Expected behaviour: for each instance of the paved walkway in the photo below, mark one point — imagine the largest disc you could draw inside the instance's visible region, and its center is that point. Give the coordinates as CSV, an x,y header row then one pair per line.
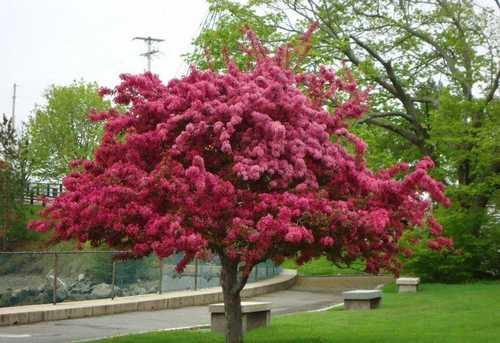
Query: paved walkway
x,y
71,330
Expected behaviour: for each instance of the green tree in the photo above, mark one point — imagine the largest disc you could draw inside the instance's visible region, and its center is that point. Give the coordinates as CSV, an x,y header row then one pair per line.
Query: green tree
x,y
434,69
60,131
14,173
398,47
8,202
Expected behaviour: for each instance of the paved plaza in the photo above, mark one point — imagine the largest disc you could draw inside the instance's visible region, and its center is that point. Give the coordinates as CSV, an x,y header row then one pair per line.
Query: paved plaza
x,y
71,330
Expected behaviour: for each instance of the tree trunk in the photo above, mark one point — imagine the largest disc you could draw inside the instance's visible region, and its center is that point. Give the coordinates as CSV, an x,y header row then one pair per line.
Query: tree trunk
x,y
4,242
232,301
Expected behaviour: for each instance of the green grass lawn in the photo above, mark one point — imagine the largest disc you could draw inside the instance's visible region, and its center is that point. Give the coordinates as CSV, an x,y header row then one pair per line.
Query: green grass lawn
x,y
438,314
322,266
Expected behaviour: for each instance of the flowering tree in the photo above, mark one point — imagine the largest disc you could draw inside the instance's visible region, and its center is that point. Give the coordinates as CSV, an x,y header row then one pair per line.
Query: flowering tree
x,y
247,165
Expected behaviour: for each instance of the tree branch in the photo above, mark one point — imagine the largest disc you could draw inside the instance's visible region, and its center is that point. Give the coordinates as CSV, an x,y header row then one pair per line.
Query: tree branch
x,y
242,281
408,135
385,115
493,88
387,66
393,85
451,62
328,28
466,52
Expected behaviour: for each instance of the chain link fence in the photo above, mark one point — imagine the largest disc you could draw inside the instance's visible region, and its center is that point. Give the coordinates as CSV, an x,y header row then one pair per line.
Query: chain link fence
x,y
28,278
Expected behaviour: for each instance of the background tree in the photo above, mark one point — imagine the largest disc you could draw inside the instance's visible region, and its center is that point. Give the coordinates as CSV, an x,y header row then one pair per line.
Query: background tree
x,y
59,130
14,172
248,165
434,68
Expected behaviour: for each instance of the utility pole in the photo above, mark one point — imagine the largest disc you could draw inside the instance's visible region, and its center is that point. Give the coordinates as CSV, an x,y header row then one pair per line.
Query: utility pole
x,y
14,104
150,52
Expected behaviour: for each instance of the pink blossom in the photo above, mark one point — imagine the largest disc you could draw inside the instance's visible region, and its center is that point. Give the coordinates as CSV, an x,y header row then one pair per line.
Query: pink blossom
x,y
435,228
327,241
244,164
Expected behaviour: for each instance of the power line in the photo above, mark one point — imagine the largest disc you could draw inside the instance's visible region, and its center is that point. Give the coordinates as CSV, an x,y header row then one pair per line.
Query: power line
x,y
150,52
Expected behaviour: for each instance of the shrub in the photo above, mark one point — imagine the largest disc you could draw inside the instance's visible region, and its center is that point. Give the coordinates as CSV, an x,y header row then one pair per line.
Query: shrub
x,y
476,255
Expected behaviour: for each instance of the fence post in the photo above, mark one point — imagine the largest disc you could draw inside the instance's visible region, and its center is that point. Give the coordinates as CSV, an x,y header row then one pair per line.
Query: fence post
x,y
160,283
32,198
54,286
60,188
195,274
48,190
113,279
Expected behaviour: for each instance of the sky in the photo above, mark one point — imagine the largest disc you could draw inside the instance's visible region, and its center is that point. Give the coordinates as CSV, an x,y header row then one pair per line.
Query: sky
x,y
47,42
57,41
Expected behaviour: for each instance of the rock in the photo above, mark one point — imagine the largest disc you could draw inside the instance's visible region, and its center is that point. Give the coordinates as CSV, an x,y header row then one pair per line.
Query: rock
x,y
118,292
153,289
61,294
102,290
42,298
81,287
22,296
81,277
47,290
49,283
25,292
136,290
5,298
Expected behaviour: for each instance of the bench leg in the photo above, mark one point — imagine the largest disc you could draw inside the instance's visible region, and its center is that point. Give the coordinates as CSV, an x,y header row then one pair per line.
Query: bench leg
x,y
362,304
257,319
250,321
407,288
218,322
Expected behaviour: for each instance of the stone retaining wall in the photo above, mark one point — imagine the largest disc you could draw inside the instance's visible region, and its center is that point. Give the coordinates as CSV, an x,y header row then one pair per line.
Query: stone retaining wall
x,y
336,284
78,309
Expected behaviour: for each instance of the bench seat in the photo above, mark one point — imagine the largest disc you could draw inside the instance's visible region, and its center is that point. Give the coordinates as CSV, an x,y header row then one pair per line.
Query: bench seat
x,y
362,299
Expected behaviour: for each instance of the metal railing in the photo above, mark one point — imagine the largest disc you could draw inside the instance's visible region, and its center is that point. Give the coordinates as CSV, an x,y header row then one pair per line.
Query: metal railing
x,y
36,191
34,277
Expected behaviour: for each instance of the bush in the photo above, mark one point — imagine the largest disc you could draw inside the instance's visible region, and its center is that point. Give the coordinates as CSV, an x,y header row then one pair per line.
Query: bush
x,y
14,214
476,255
19,230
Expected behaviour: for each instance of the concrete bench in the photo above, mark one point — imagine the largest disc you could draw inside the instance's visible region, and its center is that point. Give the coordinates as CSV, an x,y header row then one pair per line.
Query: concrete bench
x,y
408,284
362,299
254,315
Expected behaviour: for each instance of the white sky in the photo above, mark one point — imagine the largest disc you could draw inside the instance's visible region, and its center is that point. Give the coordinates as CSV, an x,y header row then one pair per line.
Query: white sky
x,y
46,42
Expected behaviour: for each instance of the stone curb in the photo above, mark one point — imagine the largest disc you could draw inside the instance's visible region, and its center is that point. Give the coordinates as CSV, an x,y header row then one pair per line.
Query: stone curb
x,y
19,315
